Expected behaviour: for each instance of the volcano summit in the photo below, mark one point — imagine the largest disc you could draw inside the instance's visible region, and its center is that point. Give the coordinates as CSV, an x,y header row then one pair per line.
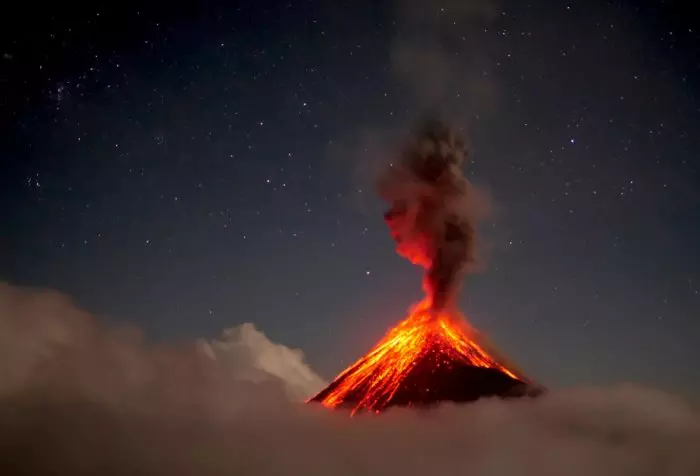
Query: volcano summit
x,y
433,355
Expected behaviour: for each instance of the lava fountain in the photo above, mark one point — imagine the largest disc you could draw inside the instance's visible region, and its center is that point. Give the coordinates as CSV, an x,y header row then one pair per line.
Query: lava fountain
x,y
433,355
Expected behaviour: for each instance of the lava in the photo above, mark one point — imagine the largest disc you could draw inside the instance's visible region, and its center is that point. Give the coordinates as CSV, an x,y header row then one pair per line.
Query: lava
x,y
381,372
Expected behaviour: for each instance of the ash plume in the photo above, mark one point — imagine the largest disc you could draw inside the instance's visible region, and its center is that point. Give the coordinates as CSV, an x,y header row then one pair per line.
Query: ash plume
x,y
433,208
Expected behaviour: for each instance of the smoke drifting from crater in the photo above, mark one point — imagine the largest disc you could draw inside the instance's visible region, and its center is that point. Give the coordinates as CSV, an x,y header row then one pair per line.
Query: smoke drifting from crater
x,y
437,56
434,208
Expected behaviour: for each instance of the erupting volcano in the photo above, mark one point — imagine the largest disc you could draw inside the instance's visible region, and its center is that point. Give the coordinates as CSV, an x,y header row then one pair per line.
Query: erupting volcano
x,y
433,355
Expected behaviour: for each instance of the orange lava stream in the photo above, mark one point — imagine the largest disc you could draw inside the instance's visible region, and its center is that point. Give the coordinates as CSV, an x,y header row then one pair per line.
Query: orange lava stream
x,y
380,372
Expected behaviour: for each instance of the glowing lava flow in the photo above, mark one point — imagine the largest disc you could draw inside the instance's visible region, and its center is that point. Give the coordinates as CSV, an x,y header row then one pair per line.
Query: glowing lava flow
x,y
380,373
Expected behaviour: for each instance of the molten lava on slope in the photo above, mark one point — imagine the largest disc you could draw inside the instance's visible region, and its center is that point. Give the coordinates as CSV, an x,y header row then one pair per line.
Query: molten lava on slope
x,y
425,359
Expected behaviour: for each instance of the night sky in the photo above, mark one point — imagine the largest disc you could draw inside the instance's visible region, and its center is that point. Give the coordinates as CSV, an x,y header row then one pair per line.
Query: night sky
x,y
190,168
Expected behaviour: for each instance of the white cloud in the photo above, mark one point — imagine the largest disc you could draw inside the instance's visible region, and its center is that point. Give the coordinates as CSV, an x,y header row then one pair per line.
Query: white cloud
x,y
81,400
251,356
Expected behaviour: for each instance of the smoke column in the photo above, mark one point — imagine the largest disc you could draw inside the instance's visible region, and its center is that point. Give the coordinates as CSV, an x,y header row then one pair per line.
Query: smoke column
x,y
433,209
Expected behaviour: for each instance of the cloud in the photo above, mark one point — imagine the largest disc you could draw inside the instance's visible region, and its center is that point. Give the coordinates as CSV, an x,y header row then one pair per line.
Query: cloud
x,y
79,399
251,356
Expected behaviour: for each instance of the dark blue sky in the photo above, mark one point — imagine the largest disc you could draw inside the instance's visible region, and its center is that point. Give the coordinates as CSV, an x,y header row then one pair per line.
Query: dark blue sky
x,y
190,169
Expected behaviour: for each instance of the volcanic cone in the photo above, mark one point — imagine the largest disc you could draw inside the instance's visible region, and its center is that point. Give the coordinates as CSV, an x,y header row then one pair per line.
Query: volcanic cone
x,y
433,355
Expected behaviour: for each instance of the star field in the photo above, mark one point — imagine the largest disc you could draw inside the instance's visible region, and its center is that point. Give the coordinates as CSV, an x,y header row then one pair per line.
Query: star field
x,y
191,168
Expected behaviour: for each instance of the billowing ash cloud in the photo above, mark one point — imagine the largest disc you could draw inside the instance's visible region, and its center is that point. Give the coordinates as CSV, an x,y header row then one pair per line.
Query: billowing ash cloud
x,y
78,399
433,208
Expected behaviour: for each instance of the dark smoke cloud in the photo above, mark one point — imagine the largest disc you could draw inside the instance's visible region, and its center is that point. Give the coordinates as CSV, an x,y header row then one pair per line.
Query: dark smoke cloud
x,y
434,208
437,62
78,399
442,70
437,66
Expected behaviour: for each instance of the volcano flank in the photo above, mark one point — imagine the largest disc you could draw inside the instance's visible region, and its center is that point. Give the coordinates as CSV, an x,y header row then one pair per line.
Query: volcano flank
x,y
433,379
425,360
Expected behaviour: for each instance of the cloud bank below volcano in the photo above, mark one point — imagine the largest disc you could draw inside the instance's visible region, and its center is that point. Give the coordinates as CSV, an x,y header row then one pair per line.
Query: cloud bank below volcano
x,y
77,398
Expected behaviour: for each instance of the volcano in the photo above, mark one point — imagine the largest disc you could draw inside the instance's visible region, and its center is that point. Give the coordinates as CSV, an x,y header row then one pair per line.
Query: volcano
x,y
426,359
433,355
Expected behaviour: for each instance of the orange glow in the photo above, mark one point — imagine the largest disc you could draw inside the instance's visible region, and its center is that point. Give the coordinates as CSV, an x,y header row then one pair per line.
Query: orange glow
x,y
382,370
